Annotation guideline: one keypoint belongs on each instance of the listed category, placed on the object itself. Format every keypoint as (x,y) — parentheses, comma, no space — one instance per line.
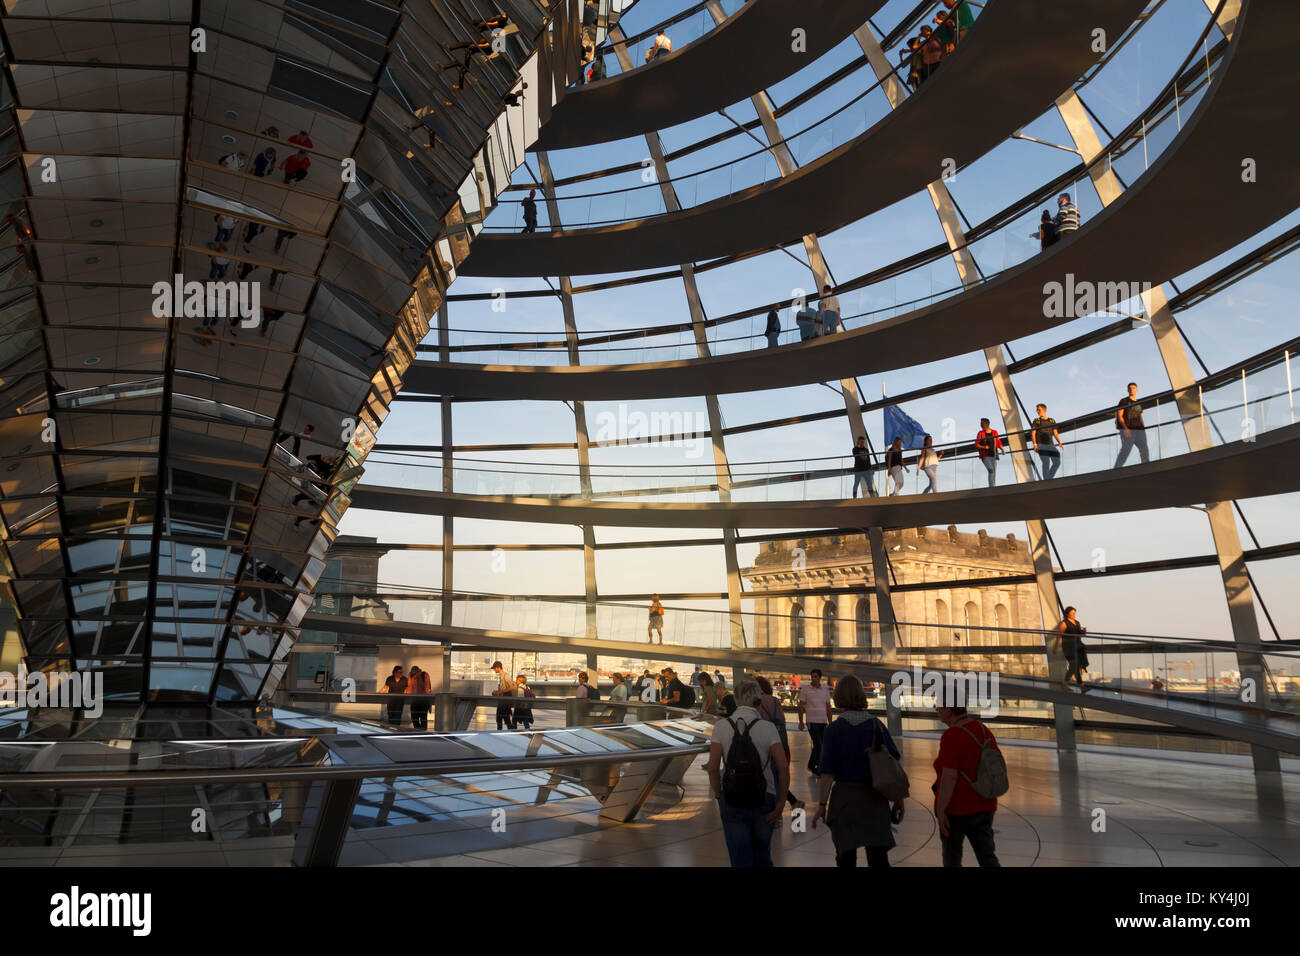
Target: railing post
(325,821)
(444,712)
(575,712)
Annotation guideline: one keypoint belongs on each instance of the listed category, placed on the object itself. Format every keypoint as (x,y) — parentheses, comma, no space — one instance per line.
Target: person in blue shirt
(857,815)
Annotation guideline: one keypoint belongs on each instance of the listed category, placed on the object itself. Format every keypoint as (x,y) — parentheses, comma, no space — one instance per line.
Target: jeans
(1127,439)
(805,330)
(223,234)
(991,463)
(395,713)
(748,835)
(503,717)
(1051,460)
(773,339)
(861,479)
(932,472)
(978,828)
(816,732)
(217,271)
(830,323)
(529,225)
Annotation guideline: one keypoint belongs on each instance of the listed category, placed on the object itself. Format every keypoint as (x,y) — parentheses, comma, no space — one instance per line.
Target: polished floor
(1103,808)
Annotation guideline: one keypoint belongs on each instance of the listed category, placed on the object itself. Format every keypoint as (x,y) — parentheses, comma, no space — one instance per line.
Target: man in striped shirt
(1067,216)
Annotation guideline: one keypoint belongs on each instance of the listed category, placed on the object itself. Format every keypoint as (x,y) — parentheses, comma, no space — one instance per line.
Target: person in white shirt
(815,705)
(619,692)
(225,227)
(661,47)
(930,464)
(748,829)
(830,312)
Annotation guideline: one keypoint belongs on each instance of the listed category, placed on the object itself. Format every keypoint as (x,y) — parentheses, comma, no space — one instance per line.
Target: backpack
(991,773)
(743,782)
(598,69)
(592,693)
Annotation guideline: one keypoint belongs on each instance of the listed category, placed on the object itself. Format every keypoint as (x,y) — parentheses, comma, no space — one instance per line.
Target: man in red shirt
(301,139)
(296,166)
(962,813)
(989,446)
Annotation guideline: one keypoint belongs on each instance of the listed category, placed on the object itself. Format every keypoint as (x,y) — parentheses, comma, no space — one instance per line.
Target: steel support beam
(448,475)
(1173,354)
(721,469)
(1012,424)
(579,407)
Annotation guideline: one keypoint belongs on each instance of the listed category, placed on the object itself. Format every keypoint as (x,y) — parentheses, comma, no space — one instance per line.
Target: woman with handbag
(863,783)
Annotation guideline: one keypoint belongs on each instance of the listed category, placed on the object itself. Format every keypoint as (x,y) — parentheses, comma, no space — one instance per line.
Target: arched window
(1003,617)
(796,628)
(972,615)
(863,615)
(829,624)
(943,633)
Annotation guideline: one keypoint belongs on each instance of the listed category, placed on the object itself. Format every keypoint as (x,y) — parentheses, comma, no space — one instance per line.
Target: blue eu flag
(898,424)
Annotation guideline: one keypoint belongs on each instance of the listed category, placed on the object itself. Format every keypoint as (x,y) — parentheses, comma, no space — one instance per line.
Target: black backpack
(743,782)
(592,693)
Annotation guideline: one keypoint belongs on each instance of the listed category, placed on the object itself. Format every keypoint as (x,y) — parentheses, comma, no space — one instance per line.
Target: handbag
(888,778)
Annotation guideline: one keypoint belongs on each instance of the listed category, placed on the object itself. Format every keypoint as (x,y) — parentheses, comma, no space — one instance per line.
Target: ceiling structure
(162,519)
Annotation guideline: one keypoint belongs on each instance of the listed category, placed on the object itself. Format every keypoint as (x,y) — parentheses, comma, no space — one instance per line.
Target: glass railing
(1005,244)
(443,790)
(1229,408)
(1160,670)
(683,29)
(630,197)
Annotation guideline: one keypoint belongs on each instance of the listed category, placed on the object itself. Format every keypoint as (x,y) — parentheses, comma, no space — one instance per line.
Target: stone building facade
(944,617)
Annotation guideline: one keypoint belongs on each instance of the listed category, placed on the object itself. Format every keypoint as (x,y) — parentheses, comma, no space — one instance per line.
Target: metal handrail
(187,778)
(536,703)
(1162,641)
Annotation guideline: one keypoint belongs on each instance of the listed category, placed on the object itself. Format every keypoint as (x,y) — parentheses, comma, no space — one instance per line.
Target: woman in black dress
(1076,655)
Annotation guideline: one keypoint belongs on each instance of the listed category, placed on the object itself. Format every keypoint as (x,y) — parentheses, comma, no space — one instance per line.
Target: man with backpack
(747,769)
(970,774)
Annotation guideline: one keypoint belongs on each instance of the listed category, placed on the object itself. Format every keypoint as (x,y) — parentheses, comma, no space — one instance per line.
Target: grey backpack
(991,773)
